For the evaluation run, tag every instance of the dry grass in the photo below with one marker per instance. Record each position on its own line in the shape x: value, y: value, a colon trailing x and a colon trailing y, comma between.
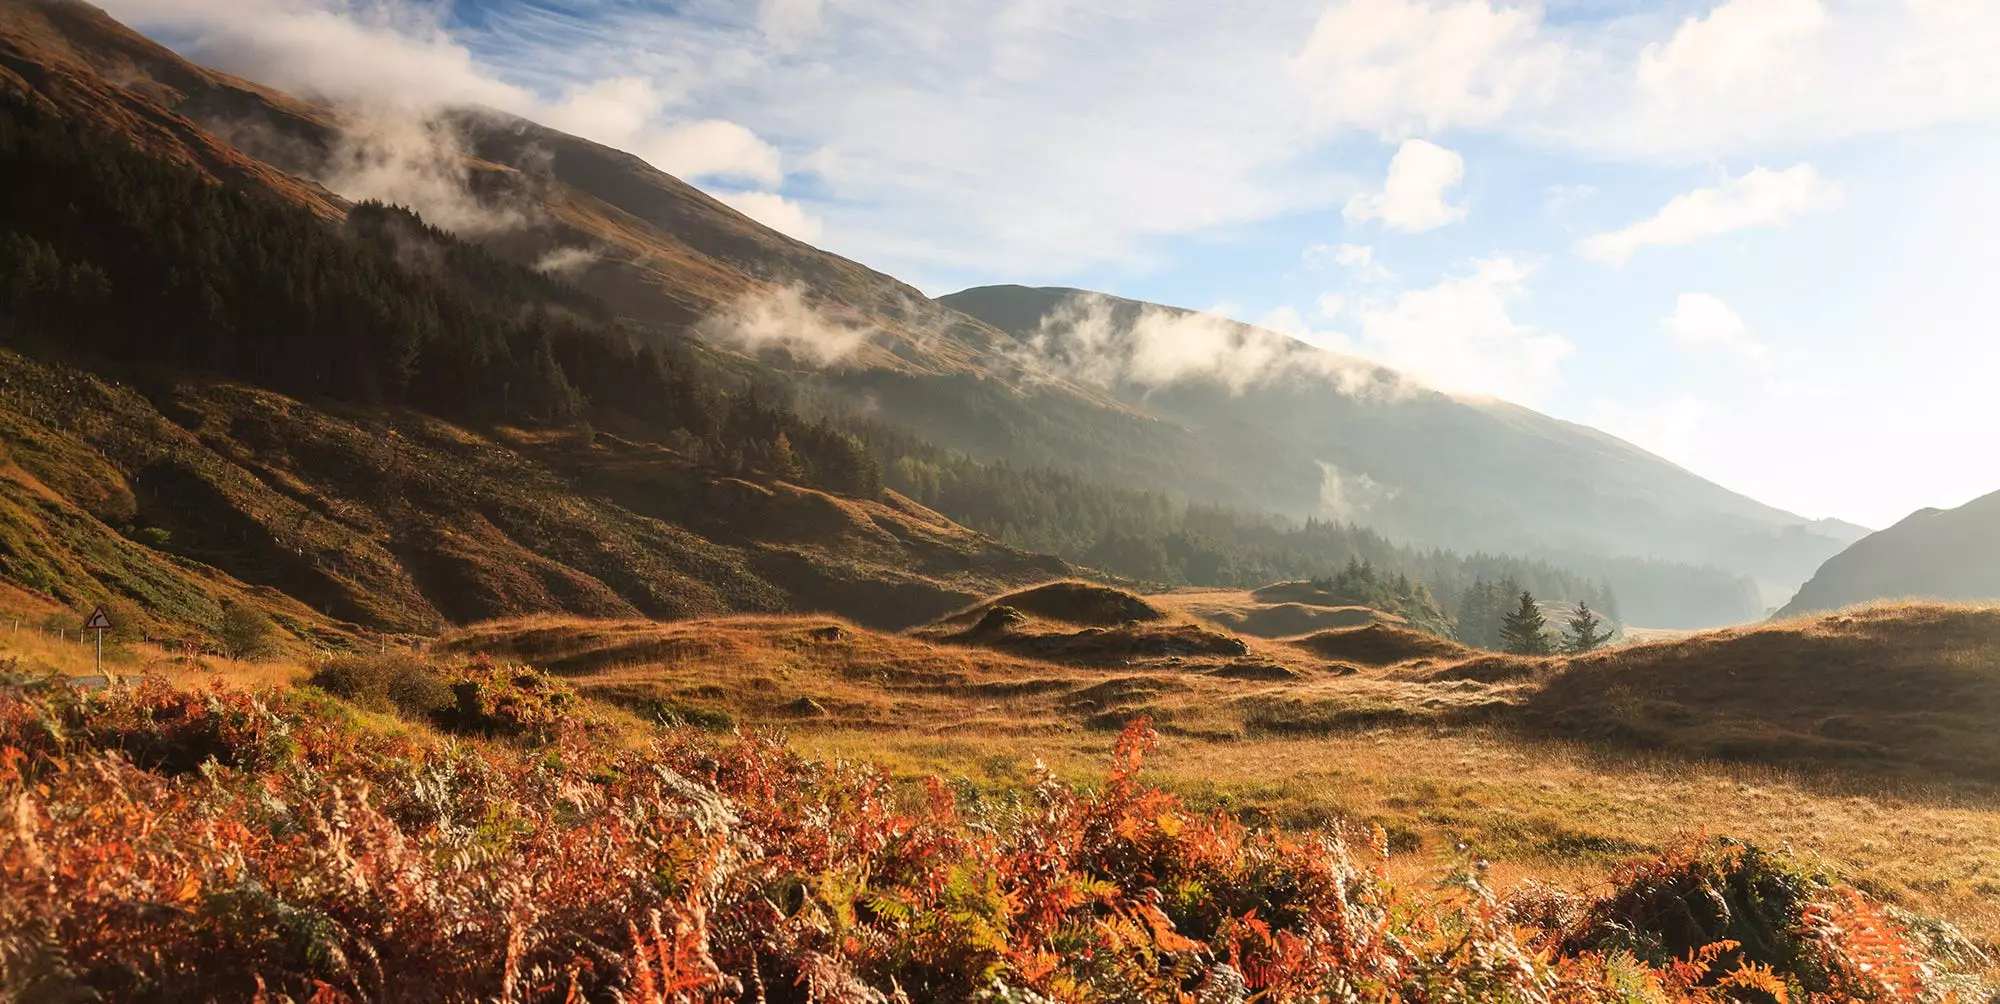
x: 1909, y: 689
x: 1383, y: 645
x: 1551, y: 811
x: 1473, y: 754
x: 1245, y: 612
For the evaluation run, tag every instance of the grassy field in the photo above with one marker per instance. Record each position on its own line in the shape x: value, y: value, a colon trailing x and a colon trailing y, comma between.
x: 1554, y: 770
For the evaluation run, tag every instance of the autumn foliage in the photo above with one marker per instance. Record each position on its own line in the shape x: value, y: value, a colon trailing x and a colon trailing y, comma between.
x: 163, y: 844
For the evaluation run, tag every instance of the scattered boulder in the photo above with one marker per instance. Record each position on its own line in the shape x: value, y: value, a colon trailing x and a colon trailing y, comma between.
x: 1000, y: 620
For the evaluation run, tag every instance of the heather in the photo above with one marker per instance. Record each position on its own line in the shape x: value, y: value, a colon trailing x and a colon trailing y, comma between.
x: 177, y: 844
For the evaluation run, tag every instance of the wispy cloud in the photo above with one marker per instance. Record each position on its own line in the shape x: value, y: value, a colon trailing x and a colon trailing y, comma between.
x: 1761, y: 198
x: 1039, y: 136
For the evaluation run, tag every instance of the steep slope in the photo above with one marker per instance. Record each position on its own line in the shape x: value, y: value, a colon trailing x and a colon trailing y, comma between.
x: 652, y: 246
x: 1312, y: 432
x: 1939, y: 554
x: 212, y: 393
x: 93, y: 70
x: 400, y: 522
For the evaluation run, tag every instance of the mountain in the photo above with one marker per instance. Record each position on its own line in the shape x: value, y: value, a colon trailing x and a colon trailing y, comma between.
x: 1310, y: 435
x: 1312, y: 432
x: 212, y: 395
x: 1936, y: 554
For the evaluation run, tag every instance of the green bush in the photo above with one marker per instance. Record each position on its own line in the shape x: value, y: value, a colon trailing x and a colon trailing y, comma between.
x: 246, y: 632
x: 396, y: 682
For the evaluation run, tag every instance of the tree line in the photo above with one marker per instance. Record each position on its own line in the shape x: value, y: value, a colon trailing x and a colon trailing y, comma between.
x: 1151, y: 537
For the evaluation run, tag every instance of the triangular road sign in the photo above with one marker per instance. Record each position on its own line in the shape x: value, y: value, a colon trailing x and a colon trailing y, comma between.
x: 97, y: 621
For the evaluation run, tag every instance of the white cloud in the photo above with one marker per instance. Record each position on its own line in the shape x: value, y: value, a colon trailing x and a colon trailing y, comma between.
x: 1356, y: 259
x: 1761, y: 198
x: 713, y: 149
x: 775, y: 211
x: 1398, y: 67
x: 782, y: 318
x: 394, y: 62
x: 1740, y: 44
x: 1703, y: 324
x: 1459, y: 336
x: 1413, y: 198
x: 1048, y: 135
x: 1330, y: 305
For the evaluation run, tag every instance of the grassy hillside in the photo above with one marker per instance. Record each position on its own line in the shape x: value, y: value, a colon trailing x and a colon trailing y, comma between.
x: 394, y: 521
x: 1909, y: 688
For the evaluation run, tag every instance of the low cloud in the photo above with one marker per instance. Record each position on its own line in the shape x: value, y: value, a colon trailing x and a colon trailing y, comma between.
x: 394, y: 63
x: 1350, y: 497
x: 1761, y: 198
x: 1412, y: 199
x: 1098, y: 340
x: 1705, y: 325
x: 568, y: 261
x: 405, y: 159
x: 1460, y: 336
x: 781, y: 318
x: 775, y: 211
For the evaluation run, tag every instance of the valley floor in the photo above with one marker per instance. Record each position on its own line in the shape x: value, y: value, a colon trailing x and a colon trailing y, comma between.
x: 1433, y: 749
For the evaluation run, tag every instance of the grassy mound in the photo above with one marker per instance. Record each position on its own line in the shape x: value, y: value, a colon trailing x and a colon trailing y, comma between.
x: 166, y: 844
x: 1083, y: 604
x: 1900, y: 687
x: 1381, y: 645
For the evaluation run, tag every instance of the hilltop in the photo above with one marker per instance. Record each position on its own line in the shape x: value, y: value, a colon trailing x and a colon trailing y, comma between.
x: 1936, y: 554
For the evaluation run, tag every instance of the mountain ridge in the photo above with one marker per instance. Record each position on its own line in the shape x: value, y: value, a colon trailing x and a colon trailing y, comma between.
x: 1931, y: 554
x: 1601, y: 480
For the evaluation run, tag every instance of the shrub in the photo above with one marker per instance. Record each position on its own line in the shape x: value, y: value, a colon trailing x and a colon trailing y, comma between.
x: 500, y: 700
x: 275, y: 849
x: 246, y: 632
x: 396, y: 681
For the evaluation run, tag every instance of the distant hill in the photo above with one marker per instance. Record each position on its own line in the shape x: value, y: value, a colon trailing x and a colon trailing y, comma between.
x: 1338, y: 436
x: 1942, y: 554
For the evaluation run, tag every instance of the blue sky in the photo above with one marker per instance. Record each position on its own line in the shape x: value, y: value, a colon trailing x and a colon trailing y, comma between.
x: 1755, y: 236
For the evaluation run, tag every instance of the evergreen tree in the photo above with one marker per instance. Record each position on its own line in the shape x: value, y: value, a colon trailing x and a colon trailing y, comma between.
x: 1586, y: 630
x: 1523, y: 632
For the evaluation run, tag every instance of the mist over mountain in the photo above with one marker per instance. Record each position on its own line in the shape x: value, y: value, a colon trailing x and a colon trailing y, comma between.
x: 1315, y: 433
x: 1934, y: 554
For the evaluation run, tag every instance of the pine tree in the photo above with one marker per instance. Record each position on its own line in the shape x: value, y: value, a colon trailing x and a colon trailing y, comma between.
x: 1586, y: 630
x: 1522, y: 632
x: 784, y: 463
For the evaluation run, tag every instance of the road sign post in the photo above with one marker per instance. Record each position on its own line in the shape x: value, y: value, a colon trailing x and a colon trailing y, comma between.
x: 99, y: 622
